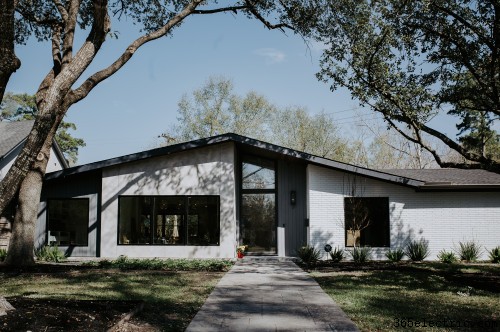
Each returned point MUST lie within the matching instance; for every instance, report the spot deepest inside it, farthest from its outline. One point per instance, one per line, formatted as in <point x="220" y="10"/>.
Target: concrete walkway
<point x="269" y="295"/>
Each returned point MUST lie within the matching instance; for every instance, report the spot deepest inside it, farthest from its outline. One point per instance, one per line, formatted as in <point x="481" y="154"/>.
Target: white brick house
<point x="205" y="197"/>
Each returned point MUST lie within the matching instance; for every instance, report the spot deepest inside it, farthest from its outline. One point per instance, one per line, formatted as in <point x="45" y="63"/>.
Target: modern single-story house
<point x="12" y="137"/>
<point x="202" y="198"/>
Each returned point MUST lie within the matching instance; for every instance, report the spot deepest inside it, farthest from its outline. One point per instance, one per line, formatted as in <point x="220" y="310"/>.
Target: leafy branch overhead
<point x="412" y="61"/>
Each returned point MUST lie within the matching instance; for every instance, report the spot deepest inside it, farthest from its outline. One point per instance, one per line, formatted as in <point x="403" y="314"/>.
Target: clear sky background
<point x="127" y="112"/>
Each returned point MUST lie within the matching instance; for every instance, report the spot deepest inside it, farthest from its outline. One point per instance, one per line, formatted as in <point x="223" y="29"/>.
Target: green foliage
<point x="50" y="254"/>
<point x="337" y="255"/>
<point x="395" y="255"/>
<point x="170" y="264"/>
<point x="411" y="60"/>
<point x="19" y="107"/>
<point x="361" y="254"/>
<point x="308" y="255"/>
<point x="215" y="109"/>
<point x="447" y="257"/>
<point x="417" y="250"/>
<point x="495" y="255"/>
<point x="3" y="254"/>
<point x="469" y="251"/>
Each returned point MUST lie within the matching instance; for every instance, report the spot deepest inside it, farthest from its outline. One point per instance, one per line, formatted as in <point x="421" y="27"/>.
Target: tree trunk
<point x="20" y="251"/>
<point x="9" y="63"/>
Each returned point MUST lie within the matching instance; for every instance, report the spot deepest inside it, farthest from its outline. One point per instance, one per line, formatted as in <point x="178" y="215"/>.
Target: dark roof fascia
<point x="60" y="155"/>
<point x="166" y="150"/>
<point x="13" y="149"/>
<point x="460" y="188"/>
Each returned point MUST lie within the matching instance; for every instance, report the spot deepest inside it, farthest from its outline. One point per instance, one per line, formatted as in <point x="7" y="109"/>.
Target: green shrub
<point x="361" y="254"/>
<point x="50" y="254"/>
<point x="395" y="255"/>
<point x="170" y="264"/>
<point x="495" y="255"/>
<point x="447" y="257"/>
<point x="469" y="251"/>
<point x="3" y="254"/>
<point x="308" y="255"/>
<point x="337" y="255"/>
<point x="417" y="250"/>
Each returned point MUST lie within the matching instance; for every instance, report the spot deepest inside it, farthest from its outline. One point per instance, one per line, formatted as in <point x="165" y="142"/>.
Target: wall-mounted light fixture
<point x="293" y="197"/>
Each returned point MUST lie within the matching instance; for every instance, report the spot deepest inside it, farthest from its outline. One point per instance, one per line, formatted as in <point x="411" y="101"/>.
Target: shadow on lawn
<point x="379" y="298"/>
<point x="171" y="299"/>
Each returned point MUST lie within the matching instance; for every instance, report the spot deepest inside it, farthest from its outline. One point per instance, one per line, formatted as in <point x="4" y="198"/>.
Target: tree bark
<point x="9" y="63"/>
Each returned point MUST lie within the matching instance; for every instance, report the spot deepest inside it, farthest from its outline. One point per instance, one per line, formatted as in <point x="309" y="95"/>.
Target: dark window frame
<point x="153" y="221"/>
<point x="386" y="221"/>
<point x="248" y="158"/>
<point x="48" y="217"/>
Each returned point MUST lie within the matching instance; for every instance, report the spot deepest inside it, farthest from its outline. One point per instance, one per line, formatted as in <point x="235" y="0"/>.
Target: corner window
<point x="168" y="220"/>
<point x="67" y="222"/>
<point x="367" y="221"/>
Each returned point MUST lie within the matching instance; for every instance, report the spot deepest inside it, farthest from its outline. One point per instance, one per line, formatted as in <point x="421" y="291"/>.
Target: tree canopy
<point x="414" y="60"/>
<point x="215" y="109"/>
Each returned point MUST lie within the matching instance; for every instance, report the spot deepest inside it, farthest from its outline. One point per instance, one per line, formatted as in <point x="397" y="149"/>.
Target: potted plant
<point x="240" y="251"/>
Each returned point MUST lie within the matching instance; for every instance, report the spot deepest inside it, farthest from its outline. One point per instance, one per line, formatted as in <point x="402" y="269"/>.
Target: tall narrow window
<point x="367" y="221"/>
<point x="258" y="205"/>
<point x="68" y="222"/>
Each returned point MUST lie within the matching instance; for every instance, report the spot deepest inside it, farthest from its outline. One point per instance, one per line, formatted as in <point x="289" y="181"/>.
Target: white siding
<point x="203" y="171"/>
<point x="442" y="218"/>
<point x="53" y="165"/>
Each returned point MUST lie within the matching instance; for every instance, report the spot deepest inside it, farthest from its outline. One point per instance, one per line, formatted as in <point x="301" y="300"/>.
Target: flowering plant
<point x="241" y="249"/>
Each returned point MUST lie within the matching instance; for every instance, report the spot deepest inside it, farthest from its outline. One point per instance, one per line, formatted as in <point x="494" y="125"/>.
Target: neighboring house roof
<point x="13" y="134"/>
<point x="442" y="179"/>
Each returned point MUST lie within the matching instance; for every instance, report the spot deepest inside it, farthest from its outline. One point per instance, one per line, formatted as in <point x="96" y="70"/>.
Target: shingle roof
<point x="448" y="176"/>
<point x="12" y="134"/>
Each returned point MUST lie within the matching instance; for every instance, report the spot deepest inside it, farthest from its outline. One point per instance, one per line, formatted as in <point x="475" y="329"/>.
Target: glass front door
<point x="258" y="205"/>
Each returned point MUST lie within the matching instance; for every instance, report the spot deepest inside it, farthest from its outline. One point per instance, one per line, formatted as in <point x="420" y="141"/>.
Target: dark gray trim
<point x="250" y="142"/>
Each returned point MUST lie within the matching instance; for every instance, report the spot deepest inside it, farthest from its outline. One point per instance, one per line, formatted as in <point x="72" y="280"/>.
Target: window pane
<point x="135" y="222"/>
<point x="257" y="174"/>
<point x="203" y="220"/>
<point x="68" y="221"/>
<point x="258" y="216"/>
<point x="170" y="215"/>
<point x="367" y="221"/>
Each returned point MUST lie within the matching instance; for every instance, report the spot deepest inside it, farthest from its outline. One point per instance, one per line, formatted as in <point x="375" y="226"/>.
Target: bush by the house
<point x="417" y="250"/>
<point x="50" y="254"/>
<point x="3" y="254"/>
<point x="309" y="255"/>
<point x="447" y="257"/>
<point x="361" y="254"/>
<point x="169" y="264"/>
<point x="395" y="255"/>
<point x="337" y="255"/>
<point x="495" y="255"/>
<point x="469" y="251"/>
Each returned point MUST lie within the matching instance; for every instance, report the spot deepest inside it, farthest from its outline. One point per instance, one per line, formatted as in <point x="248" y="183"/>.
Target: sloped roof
<point x="12" y="134"/>
<point x="450" y="176"/>
<point x="441" y="179"/>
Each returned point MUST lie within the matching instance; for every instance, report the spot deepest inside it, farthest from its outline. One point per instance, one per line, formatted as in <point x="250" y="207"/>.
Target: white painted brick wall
<point x="443" y="219"/>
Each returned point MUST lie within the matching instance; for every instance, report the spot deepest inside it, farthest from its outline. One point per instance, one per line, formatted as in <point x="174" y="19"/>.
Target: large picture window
<point x="168" y="220"/>
<point x="367" y="221"/>
<point x="68" y="222"/>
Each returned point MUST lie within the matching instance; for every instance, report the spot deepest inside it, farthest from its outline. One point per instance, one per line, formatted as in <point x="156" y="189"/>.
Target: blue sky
<point x="126" y="113"/>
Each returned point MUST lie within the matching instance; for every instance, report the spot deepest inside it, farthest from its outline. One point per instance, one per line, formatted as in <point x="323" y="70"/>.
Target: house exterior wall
<point x="203" y="171"/>
<point x="442" y="218"/>
<point x="53" y="165"/>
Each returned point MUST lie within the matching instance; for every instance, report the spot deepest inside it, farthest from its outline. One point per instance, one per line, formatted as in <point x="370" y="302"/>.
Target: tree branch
<point x="69" y="32"/>
<point x="62" y="10"/>
<point x="220" y="10"/>
<point x="269" y="25"/>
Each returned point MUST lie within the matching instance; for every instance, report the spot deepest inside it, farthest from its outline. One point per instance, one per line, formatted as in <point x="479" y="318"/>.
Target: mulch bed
<point x="64" y="315"/>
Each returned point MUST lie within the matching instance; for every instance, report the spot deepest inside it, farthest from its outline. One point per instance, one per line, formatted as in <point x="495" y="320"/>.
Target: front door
<point x="258" y="205"/>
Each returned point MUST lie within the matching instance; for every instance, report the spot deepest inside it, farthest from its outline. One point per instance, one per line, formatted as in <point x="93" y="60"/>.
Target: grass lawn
<point x="171" y="299"/>
<point x="379" y="296"/>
